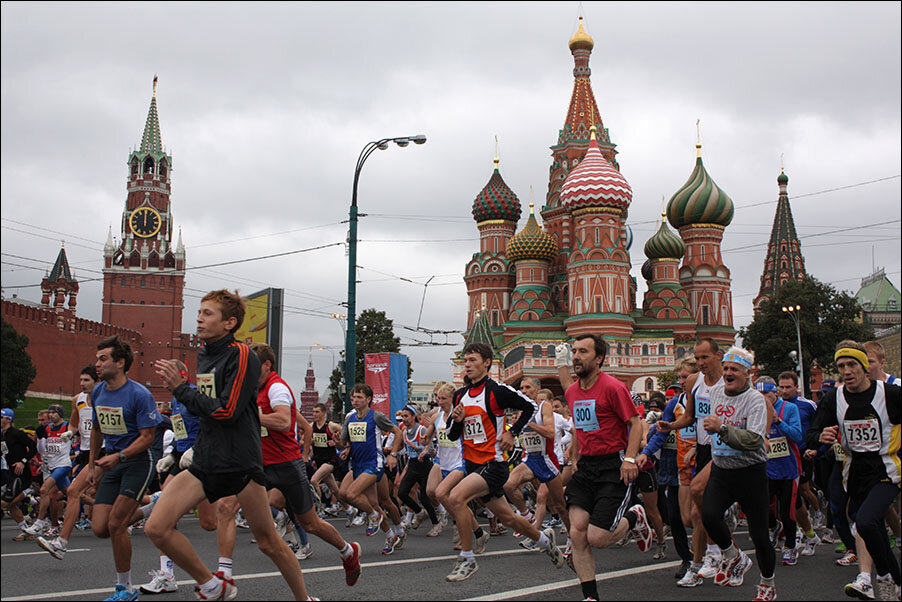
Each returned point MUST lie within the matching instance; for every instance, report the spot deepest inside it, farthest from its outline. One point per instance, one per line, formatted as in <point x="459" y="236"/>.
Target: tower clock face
<point x="145" y="222"/>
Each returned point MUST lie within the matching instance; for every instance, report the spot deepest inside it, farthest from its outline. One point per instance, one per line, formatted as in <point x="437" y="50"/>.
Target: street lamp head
<point x="418" y="139"/>
<point x="402" y="142"/>
<point x="382" y="145"/>
<point x="793" y="355"/>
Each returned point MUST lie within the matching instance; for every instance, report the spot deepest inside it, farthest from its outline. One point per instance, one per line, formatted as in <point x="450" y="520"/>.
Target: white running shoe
<point x="359" y="520"/>
<point x="435" y="531"/>
<point x="709" y="567"/>
<point x="36" y="528"/>
<point x="553" y="551"/>
<point x="463" y="570"/>
<point x="161" y="583"/>
<point x="304" y="552"/>
<point x="282" y="521"/>
<point x="54" y="546"/>
<point x="690" y="579"/>
<point x="861" y="588"/>
<point x="810" y="545"/>
<point x="479" y="543"/>
<point x="886" y="588"/>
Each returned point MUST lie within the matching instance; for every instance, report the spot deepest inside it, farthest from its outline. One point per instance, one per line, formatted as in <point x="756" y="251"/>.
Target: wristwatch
<point x="122" y="457"/>
<point x="723" y="431"/>
<point x="395" y="454"/>
<point x="630" y="460"/>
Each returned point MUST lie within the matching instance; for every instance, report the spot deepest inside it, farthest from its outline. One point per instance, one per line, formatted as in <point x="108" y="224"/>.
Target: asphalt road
<point x="416" y="572"/>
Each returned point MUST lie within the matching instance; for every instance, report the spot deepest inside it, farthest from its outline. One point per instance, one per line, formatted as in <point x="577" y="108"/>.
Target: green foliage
<point x="666" y="379"/>
<point x="826" y="318"/>
<point x="335" y="395"/>
<point x="16" y="368"/>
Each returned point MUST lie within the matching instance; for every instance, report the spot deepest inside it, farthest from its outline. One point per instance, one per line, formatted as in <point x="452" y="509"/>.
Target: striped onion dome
<point x="664" y="244"/>
<point x="532" y="242"/>
<point x="627" y="237"/>
<point x="595" y="183"/>
<point x="700" y="200"/>
<point x="646" y="270"/>
<point x="496" y="200"/>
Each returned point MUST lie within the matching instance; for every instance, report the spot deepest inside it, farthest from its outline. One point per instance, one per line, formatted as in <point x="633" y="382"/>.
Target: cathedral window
<point x="644" y="349"/>
<point x="148" y="165"/>
<point x="649" y="384"/>
<point x="123" y="282"/>
<point x="705" y="315"/>
<point x="703" y="253"/>
<point x="163" y="168"/>
<point x="619" y="349"/>
<point x="661" y="349"/>
<point x="536" y="351"/>
<point x="598" y="305"/>
<point x="134" y="167"/>
<point x="143" y="283"/>
<point x="549" y="351"/>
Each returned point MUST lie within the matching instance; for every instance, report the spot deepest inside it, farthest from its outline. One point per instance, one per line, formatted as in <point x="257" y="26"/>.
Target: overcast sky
<point x="265" y="109"/>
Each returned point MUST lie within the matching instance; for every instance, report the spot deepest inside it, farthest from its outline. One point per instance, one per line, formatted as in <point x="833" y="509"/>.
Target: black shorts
<point x="702" y="457"/>
<point x="291" y="479"/>
<point x="81" y="460"/>
<point x="807" y="472"/>
<point x="596" y="487"/>
<point x="494" y="474"/>
<point x="327" y="459"/>
<point x="130" y="479"/>
<point x="647" y="482"/>
<point x="218" y="485"/>
<point x="17" y="484"/>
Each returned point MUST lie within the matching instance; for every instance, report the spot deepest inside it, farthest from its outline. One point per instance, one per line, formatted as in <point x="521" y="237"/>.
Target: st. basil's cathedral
<point x="530" y="290"/>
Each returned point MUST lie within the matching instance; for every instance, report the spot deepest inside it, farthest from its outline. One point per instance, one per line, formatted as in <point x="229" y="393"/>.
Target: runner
<point x="448" y="469"/>
<point x="363" y="486"/>
<point x="863" y="416"/>
<point x="738" y="423"/>
<point x="18" y="450"/>
<point x="478" y="418"/>
<point x="124" y="420"/>
<point x="227" y="458"/>
<point x="55" y="451"/>
<point x="606" y="443"/>
<point x="419" y="464"/>
<point x="325" y="457"/>
<point x="698" y="406"/>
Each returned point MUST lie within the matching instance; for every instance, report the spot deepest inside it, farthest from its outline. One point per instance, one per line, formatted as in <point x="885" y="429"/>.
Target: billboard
<point x="263" y="320"/>
<point x="386" y="373"/>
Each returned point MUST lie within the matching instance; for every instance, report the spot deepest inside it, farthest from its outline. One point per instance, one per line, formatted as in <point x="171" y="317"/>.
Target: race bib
<point x="532" y="443"/>
<point x="688" y="432"/>
<point x="53" y="448"/>
<point x="671" y="441"/>
<point x="3" y="448"/>
<point x="778" y="447"/>
<point x="863" y="435"/>
<point x="206" y="384"/>
<point x="357" y="431"/>
<point x="838" y="452"/>
<point x="443" y="440"/>
<point x="263" y="431"/>
<point x="719" y="448"/>
<point x="320" y="440"/>
<point x="584" y="416"/>
<point x="178" y="427"/>
<point x="112" y="421"/>
<point x="86" y="425"/>
<point x="702" y="407"/>
<point x="474" y="430"/>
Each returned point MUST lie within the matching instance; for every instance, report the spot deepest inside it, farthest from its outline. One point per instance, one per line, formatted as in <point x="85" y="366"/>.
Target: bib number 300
<point x="584" y="416"/>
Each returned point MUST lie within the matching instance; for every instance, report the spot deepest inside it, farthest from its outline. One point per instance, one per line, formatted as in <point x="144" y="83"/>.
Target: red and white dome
<point x="595" y="183"/>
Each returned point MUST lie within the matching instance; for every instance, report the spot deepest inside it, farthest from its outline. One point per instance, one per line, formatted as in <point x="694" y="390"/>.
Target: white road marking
<point x="40" y="553"/>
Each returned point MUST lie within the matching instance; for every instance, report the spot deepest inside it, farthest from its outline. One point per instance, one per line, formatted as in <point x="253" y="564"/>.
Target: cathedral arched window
<point x="661" y="349"/>
<point x="134" y="168"/>
<point x="705" y="318"/>
<point x="148" y="165"/>
<point x="163" y="168"/>
<point x="644" y="349"/>
<point x="549" y="351"/>
<point x="649" y="384"/>
<point x="619" y="349"/>
<point x="537" y="351"/>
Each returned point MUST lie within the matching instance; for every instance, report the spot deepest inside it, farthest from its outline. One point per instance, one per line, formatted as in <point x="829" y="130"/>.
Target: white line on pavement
<point x="39" y="553"/>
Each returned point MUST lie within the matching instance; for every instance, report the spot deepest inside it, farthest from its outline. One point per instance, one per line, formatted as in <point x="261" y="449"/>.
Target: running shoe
<point x="402" y="538"/>
<point x="435" y="531"/>
<point x="282" y="522"/>
<point x="528" y="544"/>
<point x="568" y="551"/>
<point x="54" y="546"/>
<point x="775" y="533"/>
<point x="682" y="570"/>
<point x="304" y="552"/>
<point x="840" y="548"/>
<point x="23" y="537"/>
<point x="443" y="518"/>
<point x="496" y="528"/>
<point x="36" y="528"/>
<point x="887" y="589"/>
<point x="463" y="569"/>
<point x="161" y="583"/>
<point x="860" y="588"/>
<point x="554" y="552"/>
<point x="709" y="567"/>
<point x="52" y="532"/>
<point x="391" y="542"/>
<point x="790" y="557"/>
<point x="690" y="579"/>
<point x="765" y="593"/>
<point x="83" y="525"/>
<point x="742" y="566"/>
<point x="418" y="519"/>
<point x="818" y="520"/>
<point x="359" y="520"/>
<point x="625" y="539"/>
<point x="241" y="522"/>
<point x="352" y="565"/>
<point x="641" y="531"/>
<point x="120" y="593"/>
<point x="811" y="545"/>
<point x="848" y="559"/>
<point x="731" y="517"/>
<point x="660" y="551"/>
<point x="724" y="568"/>
<point x="372" y="523"/>
<point x="480" y="542"/>
<point x="350" y="514"/>
<point x="456" y="538"/>
<point x="227" y="591"/>
<point x="828" y="537"/>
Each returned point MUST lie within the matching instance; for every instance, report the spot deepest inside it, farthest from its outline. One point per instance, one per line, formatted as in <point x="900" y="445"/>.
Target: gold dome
<point x="581" y="40"/>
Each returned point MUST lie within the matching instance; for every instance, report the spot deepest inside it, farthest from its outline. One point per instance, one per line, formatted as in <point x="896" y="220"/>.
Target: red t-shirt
<point x="600" y="415"/>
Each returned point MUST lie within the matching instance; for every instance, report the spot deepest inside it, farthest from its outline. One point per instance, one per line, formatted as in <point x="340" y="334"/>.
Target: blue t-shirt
<point x="120" y="414"/>
<point x="185" y="425"/>
<point x="807" y="409"/>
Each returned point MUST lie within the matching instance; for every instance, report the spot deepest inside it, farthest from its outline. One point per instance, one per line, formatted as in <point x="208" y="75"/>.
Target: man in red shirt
<point x="608" y="435"/>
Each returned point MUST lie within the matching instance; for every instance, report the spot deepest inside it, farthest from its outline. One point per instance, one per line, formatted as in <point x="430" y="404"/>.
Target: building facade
<point x="530" y="290"/>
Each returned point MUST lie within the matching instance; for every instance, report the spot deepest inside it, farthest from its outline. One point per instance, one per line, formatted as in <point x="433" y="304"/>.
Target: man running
<point x="56" y="453"/>
<point x="227" y="458"/>
<point x="419" y="464"/>
<point x="18" y="450"/>
<point x="478" y="418"/>
<point x="325" y="458"/>
<point x="606" y="442"/>
<point x="125" y="417"/>
<point x="448" y="469"/>
<point x="864" y="417"/>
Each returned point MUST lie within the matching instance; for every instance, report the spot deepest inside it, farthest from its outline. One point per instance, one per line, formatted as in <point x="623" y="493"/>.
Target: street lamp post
<point x="351" y="337"/>
<point x="793" y="311"/>
<point x="318" y="346"/>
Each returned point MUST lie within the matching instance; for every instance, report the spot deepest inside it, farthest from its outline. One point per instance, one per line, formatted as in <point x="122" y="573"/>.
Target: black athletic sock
<point x="478" y="532"/>
<point x="590" y="589"/>
<point x="631" y="518"/>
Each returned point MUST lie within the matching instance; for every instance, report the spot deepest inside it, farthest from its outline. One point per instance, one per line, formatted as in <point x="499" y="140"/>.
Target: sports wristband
<point x="630" y="460"/>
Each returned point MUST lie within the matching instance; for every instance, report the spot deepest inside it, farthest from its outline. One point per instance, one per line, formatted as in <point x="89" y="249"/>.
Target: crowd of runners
<point x="594" y="468"/>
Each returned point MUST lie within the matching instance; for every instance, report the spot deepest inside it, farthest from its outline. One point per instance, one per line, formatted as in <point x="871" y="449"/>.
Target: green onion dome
<point x="782" y="178"/>
<point x="646" y="270"/>
<point x="664" y="244"/>
<point x="532" y="242"/>
<point x="700" y="200"/>
<point x="496" y="200"/>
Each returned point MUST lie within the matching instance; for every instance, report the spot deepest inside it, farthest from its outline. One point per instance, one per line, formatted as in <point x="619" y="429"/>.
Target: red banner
<point x="378" y="376"/>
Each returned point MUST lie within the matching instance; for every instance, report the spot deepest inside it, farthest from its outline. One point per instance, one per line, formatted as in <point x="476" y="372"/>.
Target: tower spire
<point x="152" y="141"/>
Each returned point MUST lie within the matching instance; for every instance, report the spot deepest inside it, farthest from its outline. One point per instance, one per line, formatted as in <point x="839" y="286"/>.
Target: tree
<point x="16" y="368"/>
<point x="666" y="379"/>
<point x="826" y="318"/>
<point x="335" y="394"/>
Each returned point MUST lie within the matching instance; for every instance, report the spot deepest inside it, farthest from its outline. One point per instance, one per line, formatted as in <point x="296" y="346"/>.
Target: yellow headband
<point x="855" y="354"/>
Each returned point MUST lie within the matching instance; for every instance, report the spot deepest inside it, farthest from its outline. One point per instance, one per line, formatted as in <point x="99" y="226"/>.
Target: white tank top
<point x="874" y="434"/>
<point x="532" y="442"/>
<point x="85" y="420"/>
<point x="450" y="453"/>
<point x="701" y="393"/>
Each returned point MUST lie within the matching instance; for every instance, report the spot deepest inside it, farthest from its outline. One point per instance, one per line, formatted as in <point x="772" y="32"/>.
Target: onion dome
<point x="532" y="242"/>
<point x="782" y="178"/>
<point x="581" y="40"/>
<point x="646" y="270"/>
<point x="664" y="244"/>
<point x="595" y="183"/>
<point x="496" y="200"/>
<point x="627" y="237"/>
<point x="700" y="200"/>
